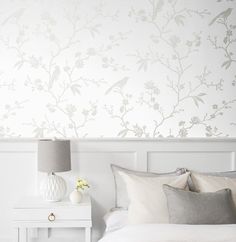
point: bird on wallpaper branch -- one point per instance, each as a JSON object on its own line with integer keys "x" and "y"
{"x": 225, "y": 14}
{"x": 119, "y": 84}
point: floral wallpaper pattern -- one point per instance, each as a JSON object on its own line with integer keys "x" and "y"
{"x": 107, "y": 68}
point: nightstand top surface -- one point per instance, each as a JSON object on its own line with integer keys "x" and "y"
{"x": 37, "y": 202}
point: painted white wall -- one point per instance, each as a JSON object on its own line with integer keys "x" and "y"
{"x": 108, "y": 68}
{"x": 91, "y": 160}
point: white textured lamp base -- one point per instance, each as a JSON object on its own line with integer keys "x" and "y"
{"x": 53, "y": 188}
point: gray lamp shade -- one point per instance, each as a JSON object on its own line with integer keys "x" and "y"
{"x": 54, "y": 155}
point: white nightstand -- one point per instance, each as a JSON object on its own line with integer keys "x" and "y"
{"x": 34, "y": 213}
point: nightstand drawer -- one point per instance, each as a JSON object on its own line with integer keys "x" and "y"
{"x": 34, "y": 213}
{"x": 52, "y": 214}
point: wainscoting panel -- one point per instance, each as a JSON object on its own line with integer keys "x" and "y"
{"x": 201, "y": 161}
{"x": 91, "y": 159}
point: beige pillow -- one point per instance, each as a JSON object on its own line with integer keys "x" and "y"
{"x": 148, "y": 202}
{"x": 207, "y": 183}
{"x": 122, "y": 200}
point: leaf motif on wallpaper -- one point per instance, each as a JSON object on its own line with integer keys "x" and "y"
{"x": 19, "y": 64}
{"x": 225, "y": 40}
{"x": 38, "y": 132}
{"x": 197, "y": 99}
{"x": 226, "y": 64}
{"x": 143, "y": 64}
{"x": 123, "y": 133}
{"x": 234, "y": 81}
{"x": 35, "y": 62}
{"x": 94, "y": 30}
{"x": 75, "y": 88}
{"x": 117, "y": 85}
{"x": 157, "y": 7}
{"x": 79, "y": 63}
{"x": 54, "y": 77}
{"x": 71, "y": 109}
{"x": 51, "y": 108}
{"x": 225, "y": 14}
{"x": 14, "y": 16}
{"x": 179, "y": 19}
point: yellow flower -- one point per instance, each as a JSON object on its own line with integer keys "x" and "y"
{"x": 82, "y": 184}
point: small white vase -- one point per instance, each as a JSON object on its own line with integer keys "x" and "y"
{"x": 76, "y": 196}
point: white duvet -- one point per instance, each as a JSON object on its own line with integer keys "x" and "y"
{"x": 172, "y": 233}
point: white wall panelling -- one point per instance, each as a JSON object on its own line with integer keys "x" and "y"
{"x": 91, "y": 159}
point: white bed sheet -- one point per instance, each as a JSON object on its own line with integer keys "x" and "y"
{"x": 172, "y": 233}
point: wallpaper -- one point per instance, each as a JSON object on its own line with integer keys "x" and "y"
{"x": 109, "y": 68}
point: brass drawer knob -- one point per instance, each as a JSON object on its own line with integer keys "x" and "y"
{"x": 51, "y": 217}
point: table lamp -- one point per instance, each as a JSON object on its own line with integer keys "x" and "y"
{"x": 53, "y": 156}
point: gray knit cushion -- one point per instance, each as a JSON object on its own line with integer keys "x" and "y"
{"x": 187, "y": 207}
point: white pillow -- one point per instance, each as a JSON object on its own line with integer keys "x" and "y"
{"x": 122, "y": 200}
{"x": 116, "y": 219}
{"x": 208, "y": 183}
{"x": 148, "y": 202}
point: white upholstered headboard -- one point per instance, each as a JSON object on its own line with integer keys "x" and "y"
{"x": 91, "y": 159}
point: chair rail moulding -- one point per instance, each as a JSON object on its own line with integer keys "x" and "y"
{"x": 30, "y": 144}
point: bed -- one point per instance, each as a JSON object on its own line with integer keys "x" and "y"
{"x": 117, "y": 230}
{"x": 122, "y": 227}
{"x": 172, "y": 233}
